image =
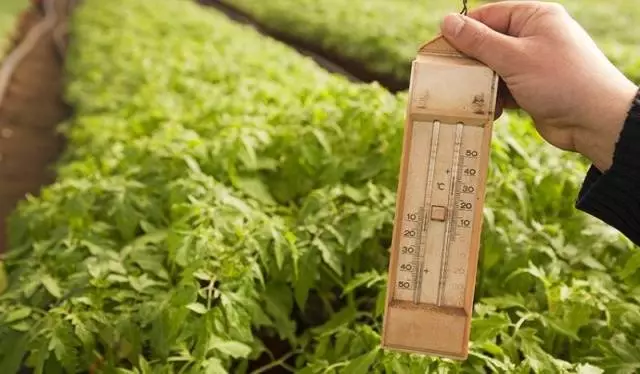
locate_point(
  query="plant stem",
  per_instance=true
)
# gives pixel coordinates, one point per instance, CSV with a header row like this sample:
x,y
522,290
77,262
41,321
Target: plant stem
x,y
336,365
278,362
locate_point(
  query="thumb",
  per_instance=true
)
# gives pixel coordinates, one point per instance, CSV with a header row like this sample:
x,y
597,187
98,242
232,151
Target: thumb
x,y
476,40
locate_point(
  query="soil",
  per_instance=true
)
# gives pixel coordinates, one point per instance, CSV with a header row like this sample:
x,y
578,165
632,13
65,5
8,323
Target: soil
x,y
30,112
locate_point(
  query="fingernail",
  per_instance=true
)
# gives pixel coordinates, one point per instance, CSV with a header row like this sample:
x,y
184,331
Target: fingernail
x,y
453,24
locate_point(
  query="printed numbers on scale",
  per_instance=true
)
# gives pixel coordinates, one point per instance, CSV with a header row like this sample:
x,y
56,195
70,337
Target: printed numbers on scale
x,y
410,233
412,217
404,284
470,172
406,267
468,189
408,249
471,153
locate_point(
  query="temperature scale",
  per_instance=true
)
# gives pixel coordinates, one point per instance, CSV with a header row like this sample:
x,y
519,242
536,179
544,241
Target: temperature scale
x,y
440,202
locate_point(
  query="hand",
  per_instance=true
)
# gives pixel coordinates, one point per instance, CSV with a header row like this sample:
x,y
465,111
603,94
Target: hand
x,y
550,68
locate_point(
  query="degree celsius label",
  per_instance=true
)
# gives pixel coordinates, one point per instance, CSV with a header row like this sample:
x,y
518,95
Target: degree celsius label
x,y
438,213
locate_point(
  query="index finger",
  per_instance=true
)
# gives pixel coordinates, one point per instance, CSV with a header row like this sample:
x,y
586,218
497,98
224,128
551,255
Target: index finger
x,y
507,17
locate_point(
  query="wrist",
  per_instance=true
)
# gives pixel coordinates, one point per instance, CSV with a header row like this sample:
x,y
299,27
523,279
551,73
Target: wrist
x,y
597,139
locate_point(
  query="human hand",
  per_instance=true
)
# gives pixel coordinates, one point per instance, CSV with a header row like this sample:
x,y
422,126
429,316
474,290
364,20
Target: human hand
x,y
550,68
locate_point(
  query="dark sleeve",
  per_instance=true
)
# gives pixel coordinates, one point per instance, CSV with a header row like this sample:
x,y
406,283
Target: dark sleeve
x,y
614,196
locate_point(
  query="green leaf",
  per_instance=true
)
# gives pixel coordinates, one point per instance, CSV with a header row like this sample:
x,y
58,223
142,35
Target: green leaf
x,y
278,301
367,225
232,348
81,330
369,278
192,164
339,320
322,139
142,283
144,366
588,369
505,301
355,194
255,188
279,246
17,314
214,366
381,301
307,278
329,256
632,265
361,364
11,359
4,283
51,285
197,307
489,327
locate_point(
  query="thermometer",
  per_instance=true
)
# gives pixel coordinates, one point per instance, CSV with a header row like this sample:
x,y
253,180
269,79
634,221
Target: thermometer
x,y
439,207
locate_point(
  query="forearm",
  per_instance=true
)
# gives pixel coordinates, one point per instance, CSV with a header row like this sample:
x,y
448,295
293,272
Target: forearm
x,y
613,196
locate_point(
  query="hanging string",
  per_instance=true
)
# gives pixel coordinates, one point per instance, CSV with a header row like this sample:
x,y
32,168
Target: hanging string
x,y
464,7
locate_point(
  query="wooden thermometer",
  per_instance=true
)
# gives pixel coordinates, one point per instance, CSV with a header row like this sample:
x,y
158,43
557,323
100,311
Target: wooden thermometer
x,y
439,209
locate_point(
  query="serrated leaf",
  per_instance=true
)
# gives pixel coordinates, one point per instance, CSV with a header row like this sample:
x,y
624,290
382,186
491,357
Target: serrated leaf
x,y
588,369
355,194
291,239
81,330
21,326
17,314
369,279
592,263
232,348
361,364
338,320
631,266
489,327
322,139
505,301
278,301
278,247
192,164
364,229
142,283
255,188
329,256
11,359
308,274
197,307
214,366
249,156
145,368
51,285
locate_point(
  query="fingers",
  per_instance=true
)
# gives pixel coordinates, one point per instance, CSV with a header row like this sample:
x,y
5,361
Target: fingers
x,y
508,17
474,39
